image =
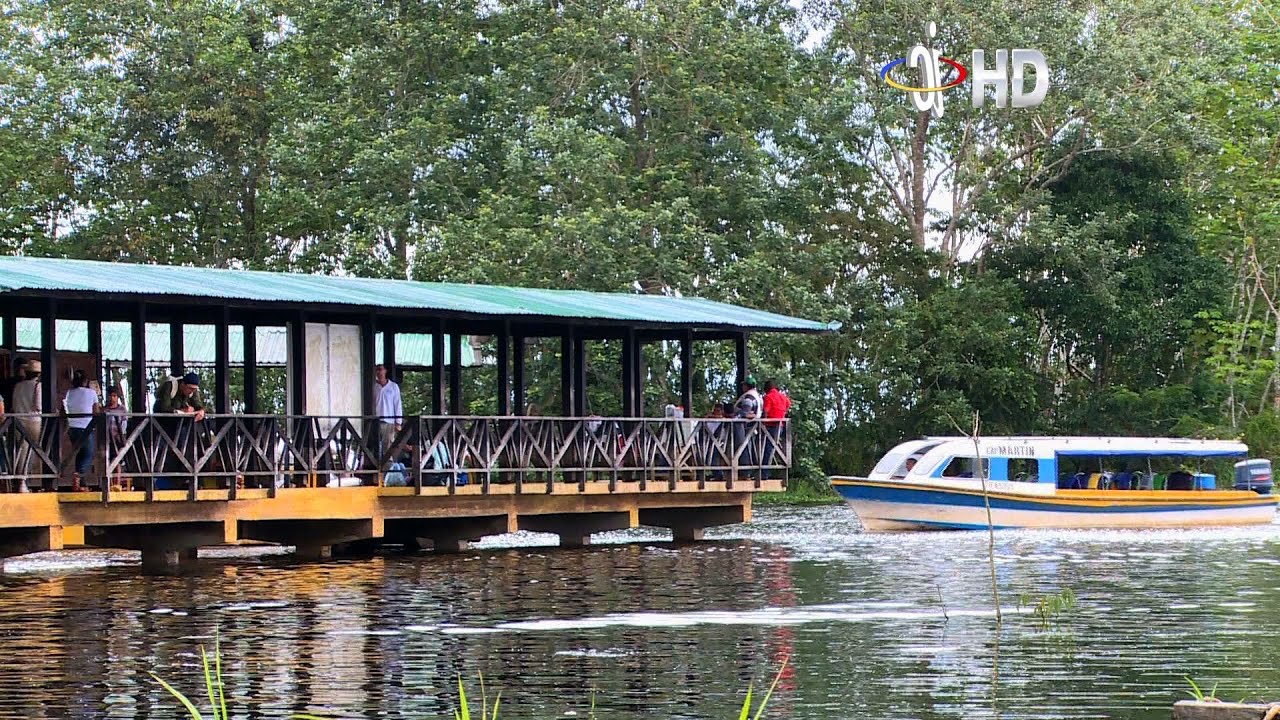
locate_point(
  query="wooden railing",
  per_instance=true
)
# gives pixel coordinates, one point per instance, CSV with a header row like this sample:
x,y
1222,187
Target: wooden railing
x,y
232,452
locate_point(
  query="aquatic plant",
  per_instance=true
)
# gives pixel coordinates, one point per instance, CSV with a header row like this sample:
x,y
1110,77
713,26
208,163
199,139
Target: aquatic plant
x,y
1198,695
746,705
1049,608
216,690
212,684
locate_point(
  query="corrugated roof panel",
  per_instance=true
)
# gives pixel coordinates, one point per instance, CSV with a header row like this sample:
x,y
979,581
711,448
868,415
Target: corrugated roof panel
x,y
58,275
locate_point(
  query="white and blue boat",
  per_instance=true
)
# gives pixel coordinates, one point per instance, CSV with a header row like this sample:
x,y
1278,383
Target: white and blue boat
x,y
946,483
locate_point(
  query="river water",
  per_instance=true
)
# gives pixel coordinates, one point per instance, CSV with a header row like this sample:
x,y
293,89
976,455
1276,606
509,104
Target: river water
x,y
875,626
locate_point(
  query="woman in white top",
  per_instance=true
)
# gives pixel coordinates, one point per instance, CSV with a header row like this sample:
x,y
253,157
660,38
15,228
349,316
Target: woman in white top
x,y
81,404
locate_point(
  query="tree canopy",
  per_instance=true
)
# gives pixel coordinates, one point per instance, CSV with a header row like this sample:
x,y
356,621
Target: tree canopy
x,y
1104,262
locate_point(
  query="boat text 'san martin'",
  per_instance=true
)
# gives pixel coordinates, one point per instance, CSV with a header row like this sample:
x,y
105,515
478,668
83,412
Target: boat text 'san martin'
x,y
939,483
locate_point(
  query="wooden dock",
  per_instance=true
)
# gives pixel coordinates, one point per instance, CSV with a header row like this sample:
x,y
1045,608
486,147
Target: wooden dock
x,y
315,483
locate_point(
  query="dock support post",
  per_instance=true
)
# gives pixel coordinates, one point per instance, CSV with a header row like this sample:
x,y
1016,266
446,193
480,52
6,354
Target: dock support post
x,y
450,544
310,552
161,560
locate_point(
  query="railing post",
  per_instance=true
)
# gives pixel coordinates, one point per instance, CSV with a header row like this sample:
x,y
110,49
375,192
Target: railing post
x,y
151,432
734,452
419,438
522,444
271,430
676,448
189,451
786,468
233,436
580,432
487,428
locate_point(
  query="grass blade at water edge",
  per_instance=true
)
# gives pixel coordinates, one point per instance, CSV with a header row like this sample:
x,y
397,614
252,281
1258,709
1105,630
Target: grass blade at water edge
x,y
217,659
190,706
209,684
465,712
746,706
772,686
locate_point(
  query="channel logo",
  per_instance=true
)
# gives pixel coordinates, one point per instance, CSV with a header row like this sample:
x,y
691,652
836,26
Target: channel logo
x,y
928,62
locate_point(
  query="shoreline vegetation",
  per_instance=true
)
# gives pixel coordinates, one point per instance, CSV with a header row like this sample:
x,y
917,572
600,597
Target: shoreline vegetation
x,y
215,689
798,495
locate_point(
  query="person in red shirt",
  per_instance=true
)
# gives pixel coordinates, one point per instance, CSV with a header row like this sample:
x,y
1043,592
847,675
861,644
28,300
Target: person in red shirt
x,y
776,406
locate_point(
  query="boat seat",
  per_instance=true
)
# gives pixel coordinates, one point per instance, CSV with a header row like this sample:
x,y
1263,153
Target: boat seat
x,y
1122,481
1095,480
1143,481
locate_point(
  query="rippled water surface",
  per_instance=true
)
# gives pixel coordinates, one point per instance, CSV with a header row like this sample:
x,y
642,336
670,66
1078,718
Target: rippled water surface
x,y
876,626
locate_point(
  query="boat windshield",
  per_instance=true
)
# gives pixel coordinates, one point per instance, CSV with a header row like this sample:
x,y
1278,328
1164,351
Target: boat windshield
x,y
891,464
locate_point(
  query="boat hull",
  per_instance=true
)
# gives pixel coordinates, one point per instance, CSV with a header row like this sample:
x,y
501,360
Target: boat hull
x,y
960,505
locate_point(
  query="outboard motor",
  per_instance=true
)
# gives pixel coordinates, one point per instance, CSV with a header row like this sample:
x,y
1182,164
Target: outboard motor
x,y
1255,475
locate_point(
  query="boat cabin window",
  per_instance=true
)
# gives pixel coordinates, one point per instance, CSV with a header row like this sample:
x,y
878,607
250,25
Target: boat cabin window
x,y
1024,469
963,467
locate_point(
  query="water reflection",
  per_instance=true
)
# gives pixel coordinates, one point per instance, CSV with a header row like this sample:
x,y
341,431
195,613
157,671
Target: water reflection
x,y
880,626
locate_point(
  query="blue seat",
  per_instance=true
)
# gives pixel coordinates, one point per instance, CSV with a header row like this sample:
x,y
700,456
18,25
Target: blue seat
x,y
1122,481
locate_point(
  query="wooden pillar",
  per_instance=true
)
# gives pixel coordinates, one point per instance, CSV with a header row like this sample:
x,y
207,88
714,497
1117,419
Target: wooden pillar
x,y
177,363
48,342
628,375
11,335
298,365
138,359
437,368
504,369
517,376
250,368
637,381
95,348
740,350
579,377
686,372
389,353
455,374
566,373
222,363
368,361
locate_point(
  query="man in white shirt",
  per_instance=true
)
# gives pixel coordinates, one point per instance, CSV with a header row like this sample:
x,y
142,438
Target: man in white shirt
x,y
388,408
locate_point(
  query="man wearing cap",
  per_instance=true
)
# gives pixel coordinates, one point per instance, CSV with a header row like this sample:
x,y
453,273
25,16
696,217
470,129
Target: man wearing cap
x,y
177,396
180,395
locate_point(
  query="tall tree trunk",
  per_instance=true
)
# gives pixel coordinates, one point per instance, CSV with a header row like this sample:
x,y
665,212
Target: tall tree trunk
x,y
919,165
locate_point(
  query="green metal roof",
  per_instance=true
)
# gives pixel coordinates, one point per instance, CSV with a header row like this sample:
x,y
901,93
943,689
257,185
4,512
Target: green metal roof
x,y
53,275
412,349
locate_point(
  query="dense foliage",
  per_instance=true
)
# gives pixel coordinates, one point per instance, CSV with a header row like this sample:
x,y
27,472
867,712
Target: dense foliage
x,y
1106,262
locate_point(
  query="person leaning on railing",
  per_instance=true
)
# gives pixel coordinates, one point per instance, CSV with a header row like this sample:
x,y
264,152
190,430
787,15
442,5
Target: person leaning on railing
x,y
178,396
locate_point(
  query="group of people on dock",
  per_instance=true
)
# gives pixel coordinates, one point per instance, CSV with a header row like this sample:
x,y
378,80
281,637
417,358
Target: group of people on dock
x,y
21,396
22,393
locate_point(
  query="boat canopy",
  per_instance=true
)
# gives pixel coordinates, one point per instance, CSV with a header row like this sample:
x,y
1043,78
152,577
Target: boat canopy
x,y
1031,457
1048,446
